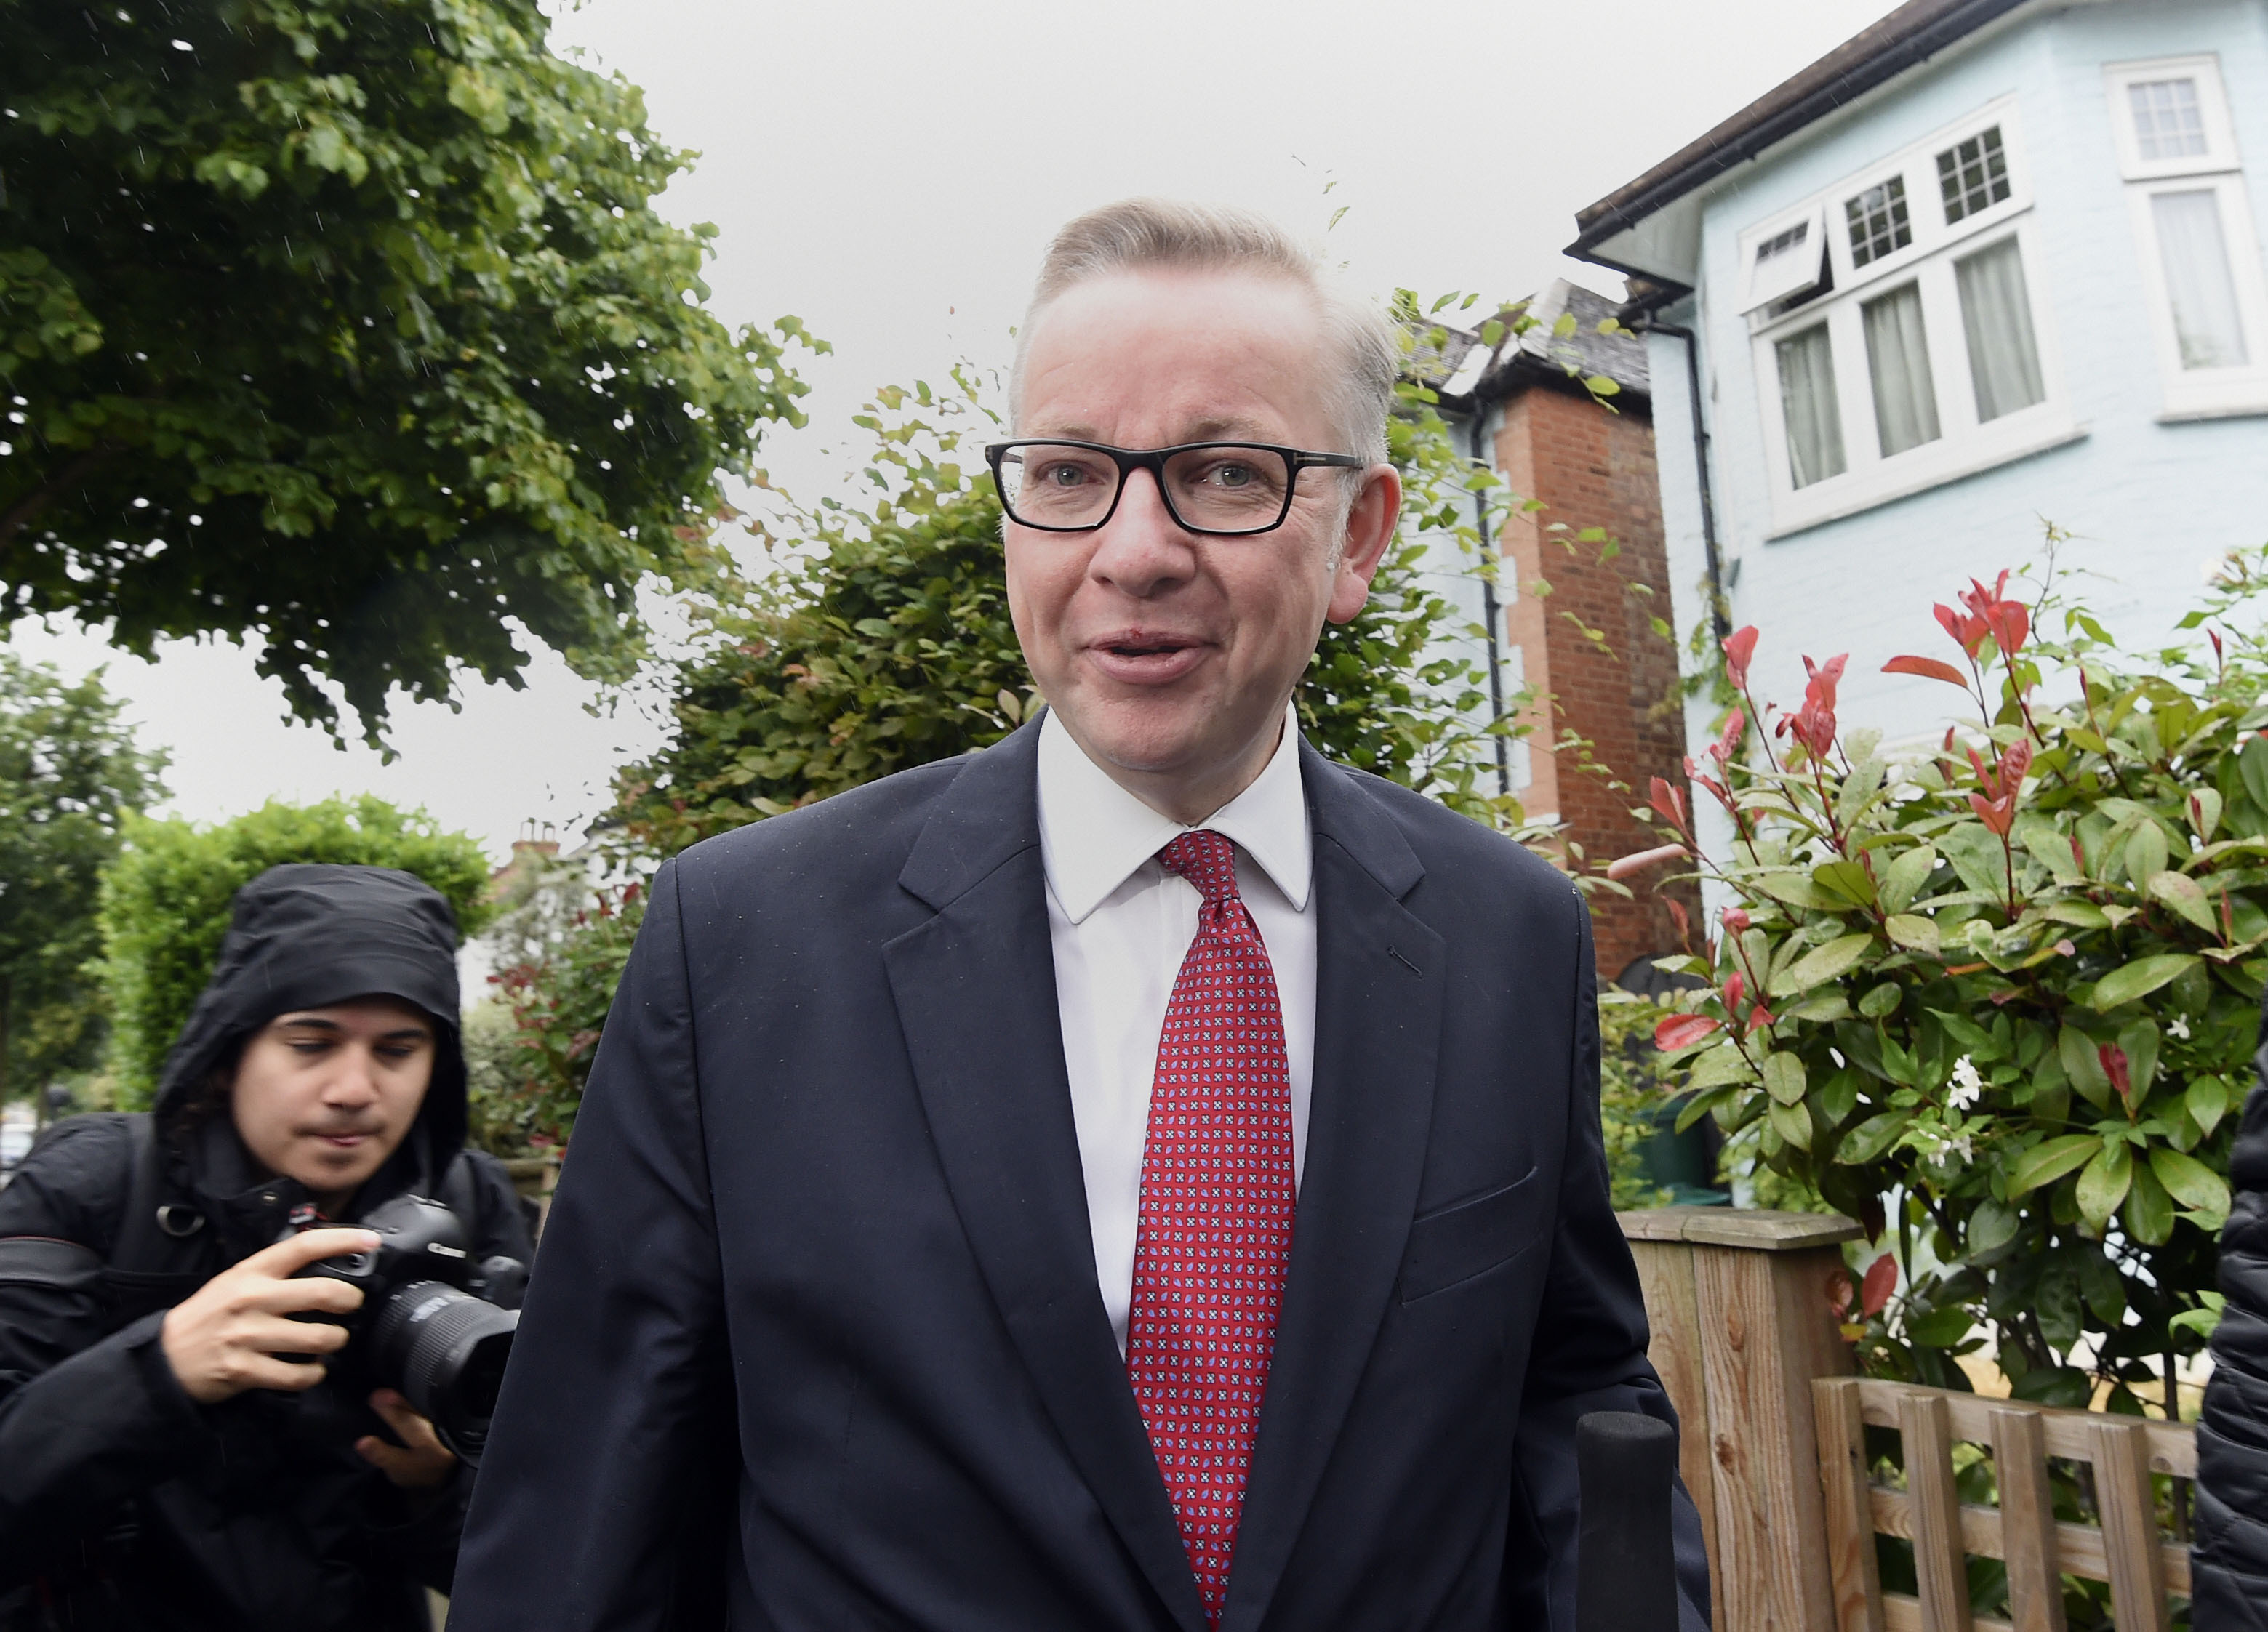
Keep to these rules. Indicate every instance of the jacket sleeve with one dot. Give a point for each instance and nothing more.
(1590, 1354)
(598, 1503)
(86, 1420)
(2229, 1591)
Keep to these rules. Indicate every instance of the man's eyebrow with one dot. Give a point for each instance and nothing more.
(1233, 428)
(311, 1022)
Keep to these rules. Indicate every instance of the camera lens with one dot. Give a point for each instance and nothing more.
(445, 1350)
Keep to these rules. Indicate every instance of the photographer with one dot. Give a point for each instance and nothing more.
(160, 1466)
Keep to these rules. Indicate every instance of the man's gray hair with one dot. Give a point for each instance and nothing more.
(1139, 233)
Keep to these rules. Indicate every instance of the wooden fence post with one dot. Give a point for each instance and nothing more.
(1742, 1321)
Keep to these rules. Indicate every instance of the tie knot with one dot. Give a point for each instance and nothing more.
(1207, 860)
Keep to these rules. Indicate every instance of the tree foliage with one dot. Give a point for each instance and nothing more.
(166, 900)
(1995, 995)
(347, 329)
(70, 778)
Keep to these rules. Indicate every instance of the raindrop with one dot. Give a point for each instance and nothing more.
(183, 45)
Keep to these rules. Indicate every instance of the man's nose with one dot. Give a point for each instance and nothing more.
(1142, 548)
(356, 1080)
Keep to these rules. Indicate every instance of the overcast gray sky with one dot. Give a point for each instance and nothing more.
(890, 172)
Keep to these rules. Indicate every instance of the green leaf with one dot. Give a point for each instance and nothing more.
(1821, 1009)
(2079, 915)
(2207, 1101)
(1796, 889)
(1792, 1123)
(2076, 1051)
(1700, 1105)
(1903, 879)
(2185, 896)
(1870, 1138)
(2146, 852)
(1940, 1328)
(1784, 1078)
(2048, 845)
(2252, 767)
(2044, 1164)
(2192, 1184)
(1977, 858)
(2138, 979)
(1719, 1066)
(1991, 1227)
(2149, 1213)
(2103, 1182)
(1913, 932)
(1880, 1000)
(1846, 879)
(2201, 1322)
(1825, 964)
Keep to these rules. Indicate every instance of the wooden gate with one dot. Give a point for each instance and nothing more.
(2125, 1549)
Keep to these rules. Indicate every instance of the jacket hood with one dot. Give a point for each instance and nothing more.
(307, 935)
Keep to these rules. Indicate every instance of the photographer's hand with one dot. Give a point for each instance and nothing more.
(223, 1337)
(421, 1461)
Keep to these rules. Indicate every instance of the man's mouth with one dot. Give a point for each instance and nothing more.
(343, 1138)
(1145, 656)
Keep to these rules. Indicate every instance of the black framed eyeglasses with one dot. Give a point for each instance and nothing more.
(1225, 488)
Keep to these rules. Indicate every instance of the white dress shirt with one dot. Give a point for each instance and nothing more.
(1122, 924)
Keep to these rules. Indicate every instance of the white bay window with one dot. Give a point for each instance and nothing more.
(1895, 316)
(2198, 249)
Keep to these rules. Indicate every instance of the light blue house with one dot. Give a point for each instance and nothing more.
(1990, 263)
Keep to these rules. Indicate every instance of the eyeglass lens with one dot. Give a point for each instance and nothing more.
(1221, 487)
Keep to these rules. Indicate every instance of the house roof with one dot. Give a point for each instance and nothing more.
(1612, 231)
(1463, 370)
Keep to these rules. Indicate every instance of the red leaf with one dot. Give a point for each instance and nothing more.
(1736, 726)
(1998, 815)
(1928, 668)
(1875, 1291)
(1736, 987)
(2114, 1067)
(1624, 866)
(1677, 917)
(1735, 919)
(1840, 1293)
(1681, 1031)
(1670, 803)
(1740, 646)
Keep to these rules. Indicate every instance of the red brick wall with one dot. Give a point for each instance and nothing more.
(1592, 467)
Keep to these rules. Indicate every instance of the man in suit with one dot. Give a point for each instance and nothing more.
(1139, 1176)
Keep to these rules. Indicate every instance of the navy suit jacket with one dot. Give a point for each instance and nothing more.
(813, 1341)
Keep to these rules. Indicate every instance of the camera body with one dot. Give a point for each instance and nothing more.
(425, 1327)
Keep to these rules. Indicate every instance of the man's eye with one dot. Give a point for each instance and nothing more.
(1232, 475)
(1064, 475)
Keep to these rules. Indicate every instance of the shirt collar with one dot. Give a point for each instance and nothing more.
(1094, 834)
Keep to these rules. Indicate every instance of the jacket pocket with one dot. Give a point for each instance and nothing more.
(1453, 1244)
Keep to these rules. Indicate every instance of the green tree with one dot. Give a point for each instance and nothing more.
(166, 902)
(347, 329)
(70, 778)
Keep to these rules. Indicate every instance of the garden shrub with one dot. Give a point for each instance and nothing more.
(1994, 993)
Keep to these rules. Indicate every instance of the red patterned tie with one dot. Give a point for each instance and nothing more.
(1215, 1231)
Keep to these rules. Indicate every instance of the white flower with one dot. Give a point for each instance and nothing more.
(2179, 1026)
(1968, 1085)
(1961, 1146)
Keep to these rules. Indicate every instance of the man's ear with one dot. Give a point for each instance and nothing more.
(1369, 529)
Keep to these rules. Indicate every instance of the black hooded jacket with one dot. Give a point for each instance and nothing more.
(2229, 1558)
(123, 1504)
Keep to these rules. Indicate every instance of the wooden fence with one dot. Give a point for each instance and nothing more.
(1773, 1450)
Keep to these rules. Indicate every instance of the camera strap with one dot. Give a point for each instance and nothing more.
(160, 1255)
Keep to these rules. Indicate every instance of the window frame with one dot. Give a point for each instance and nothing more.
(1965, 444)
(2193, 393)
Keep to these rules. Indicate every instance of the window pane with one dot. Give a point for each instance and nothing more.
(2198, 284)
(2167, 122)
(1973, 176)
(1877, 219)
(2004, 360)
(1897, 354)
(1807, 400)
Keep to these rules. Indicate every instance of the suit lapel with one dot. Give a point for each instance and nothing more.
(974, 988)
(1380, 980)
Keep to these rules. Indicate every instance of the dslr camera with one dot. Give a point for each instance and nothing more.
(426, 1327)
